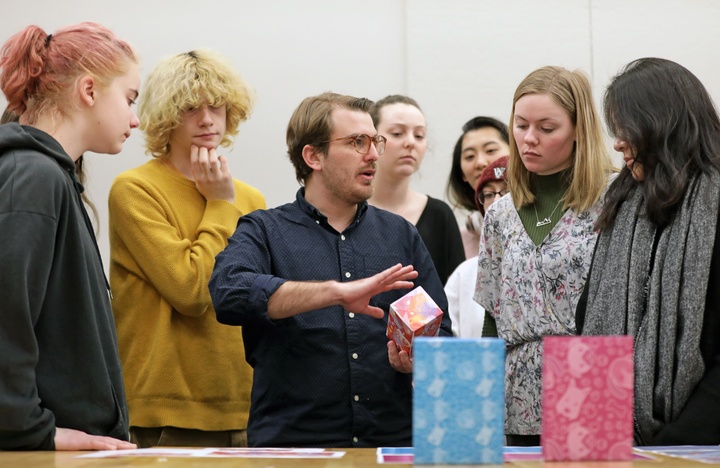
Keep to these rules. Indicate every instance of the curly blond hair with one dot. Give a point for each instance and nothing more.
(186, 81)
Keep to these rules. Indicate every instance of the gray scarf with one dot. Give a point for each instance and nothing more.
(663, 310)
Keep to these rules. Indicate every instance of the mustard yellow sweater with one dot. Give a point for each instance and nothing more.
(182, 368)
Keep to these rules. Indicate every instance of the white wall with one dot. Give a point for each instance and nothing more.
(458, 58)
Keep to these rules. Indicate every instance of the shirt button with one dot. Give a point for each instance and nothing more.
(342, 237)
(347, 274)
(351, 315)
(356, 398)
(317, 221)
(355, 439)
(354, 355)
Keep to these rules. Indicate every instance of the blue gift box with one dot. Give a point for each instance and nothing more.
(458, 401)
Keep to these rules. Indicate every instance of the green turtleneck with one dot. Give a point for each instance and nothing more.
(548, 191)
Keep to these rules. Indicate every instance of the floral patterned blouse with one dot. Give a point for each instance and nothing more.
(531, 291)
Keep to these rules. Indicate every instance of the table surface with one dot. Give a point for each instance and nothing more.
(353, 458)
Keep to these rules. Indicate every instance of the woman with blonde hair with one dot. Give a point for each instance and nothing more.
(536, 244)
(186, 376)
(61, 385)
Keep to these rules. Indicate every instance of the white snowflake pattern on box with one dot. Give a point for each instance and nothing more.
(458, 400)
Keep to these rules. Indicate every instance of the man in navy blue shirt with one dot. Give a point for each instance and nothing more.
(311, 283)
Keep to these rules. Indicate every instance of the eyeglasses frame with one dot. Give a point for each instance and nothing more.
(481, 195)
(377, 139)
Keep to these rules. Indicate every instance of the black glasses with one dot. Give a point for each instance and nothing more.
(487, 198)
(361, 142)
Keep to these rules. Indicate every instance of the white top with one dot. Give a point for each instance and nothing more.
(467, 315)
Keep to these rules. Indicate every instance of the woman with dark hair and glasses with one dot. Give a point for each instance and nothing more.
(483, 140)
(467, 315)
(656, 267)
(401, 121)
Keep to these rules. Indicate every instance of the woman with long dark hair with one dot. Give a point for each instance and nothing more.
(656, 267)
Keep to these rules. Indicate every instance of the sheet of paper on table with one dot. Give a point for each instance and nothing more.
(390, 455)
(700, 453)
(227, 452)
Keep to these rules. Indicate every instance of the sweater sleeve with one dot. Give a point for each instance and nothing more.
(25, 259)
(179, 267)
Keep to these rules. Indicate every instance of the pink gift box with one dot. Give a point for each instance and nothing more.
(587, 398)
(415, 314)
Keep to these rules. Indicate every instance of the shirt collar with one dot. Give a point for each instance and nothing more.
(315, 214)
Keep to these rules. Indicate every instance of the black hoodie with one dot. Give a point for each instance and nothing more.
(59, 364)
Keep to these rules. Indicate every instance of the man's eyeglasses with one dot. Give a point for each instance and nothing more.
(362, 142)
(487, 198)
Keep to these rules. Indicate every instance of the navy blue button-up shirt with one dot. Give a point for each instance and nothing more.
(322, 378)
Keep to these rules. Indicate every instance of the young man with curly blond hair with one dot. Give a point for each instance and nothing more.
(186, 377)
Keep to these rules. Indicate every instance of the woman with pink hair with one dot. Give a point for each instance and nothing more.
(61, 384)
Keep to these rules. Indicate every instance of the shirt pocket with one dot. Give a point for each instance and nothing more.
(374, 264)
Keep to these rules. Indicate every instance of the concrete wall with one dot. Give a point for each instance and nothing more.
(458, 58)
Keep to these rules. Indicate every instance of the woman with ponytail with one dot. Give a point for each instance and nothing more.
(61, 385)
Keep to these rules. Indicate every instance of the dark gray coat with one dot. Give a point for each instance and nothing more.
(59, 365)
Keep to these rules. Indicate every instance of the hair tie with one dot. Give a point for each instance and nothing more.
(47, 39)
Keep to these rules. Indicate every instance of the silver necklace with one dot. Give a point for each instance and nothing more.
(545, 221)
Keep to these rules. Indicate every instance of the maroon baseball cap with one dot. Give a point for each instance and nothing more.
(495, 172)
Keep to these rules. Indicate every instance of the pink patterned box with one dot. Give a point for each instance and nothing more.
(587, 398)
(415, 314)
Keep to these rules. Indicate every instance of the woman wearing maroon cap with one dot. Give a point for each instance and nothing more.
(466, 314)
